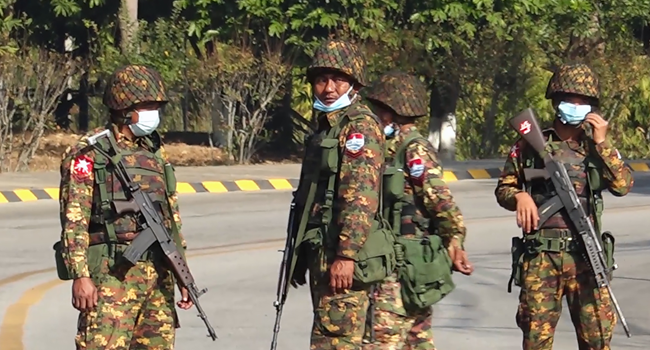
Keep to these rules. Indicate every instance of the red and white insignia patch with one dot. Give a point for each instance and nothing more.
(514, 151)
(354, 144)
(524, 127)
(416, 168)
(82, 166)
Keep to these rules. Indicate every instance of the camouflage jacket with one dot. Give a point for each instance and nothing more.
(616, 176)
(356, 200)
(425, 188)
(77, 199)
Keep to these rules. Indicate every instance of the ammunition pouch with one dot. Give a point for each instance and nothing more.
(170, 178)
(95, 258)
(376, 259)
(61, 268)
(517, 250)
(424, 271)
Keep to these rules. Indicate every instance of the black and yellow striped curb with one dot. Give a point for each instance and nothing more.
(29, 195)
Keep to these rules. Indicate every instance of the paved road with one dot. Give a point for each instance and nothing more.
(234, 239)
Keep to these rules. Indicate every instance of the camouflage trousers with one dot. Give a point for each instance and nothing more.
(135, 310)
(546, 278)
(394, 327)
(339, 319)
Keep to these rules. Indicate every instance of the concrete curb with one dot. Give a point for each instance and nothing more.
(30, 195)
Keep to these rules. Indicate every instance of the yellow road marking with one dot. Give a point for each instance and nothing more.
(184, 187)
(281, 184)
(13, 325)
(25, 195)
(449, 176)
(639, 166)
(214, 186)
(247, 185)
(52, 192)
(3, 199)
(479, 173)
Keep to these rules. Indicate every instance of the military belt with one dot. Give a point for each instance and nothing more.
(555, 241)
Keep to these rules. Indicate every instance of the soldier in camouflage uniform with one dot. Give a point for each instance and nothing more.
(121, 306)
(548, 262)
(398, 99)
(338, 196)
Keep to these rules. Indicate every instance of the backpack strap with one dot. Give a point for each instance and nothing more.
(597, 203)
(399, 163)
(353, 113)
(101, 175)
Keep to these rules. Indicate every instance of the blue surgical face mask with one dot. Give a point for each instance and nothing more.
(342, 102)
(147, 122)
(389, 130)
(572, 114)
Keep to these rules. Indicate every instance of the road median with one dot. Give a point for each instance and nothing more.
(253, 182)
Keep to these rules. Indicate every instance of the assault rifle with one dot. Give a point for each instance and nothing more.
(566, 198)
(284, 276)
(153, 231)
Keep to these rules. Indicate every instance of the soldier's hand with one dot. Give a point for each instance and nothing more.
(185, 302)
(341, 274)
(527, 217)
(84, 294)
(599, 125)
(459, 258)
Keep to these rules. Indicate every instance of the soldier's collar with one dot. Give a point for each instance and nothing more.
(333, 117)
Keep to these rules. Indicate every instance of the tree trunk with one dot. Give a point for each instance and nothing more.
(442, 122)
(218, 110)
(128, 24)
(82, 100)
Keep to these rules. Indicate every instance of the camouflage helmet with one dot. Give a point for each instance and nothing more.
(403, 93)
(576, 79)
(133, 84)
(340, 56)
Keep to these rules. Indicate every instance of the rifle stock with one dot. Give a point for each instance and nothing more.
(526, 125)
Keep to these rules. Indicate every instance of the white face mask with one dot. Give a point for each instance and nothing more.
(147, 122)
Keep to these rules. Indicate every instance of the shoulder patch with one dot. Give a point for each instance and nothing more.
(514, 150)
(416, 168)
(82, 166)
(354, 144)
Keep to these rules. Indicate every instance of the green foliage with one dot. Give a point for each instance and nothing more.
(483, 60)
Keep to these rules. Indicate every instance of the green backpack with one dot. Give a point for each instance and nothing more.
(424, 267)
